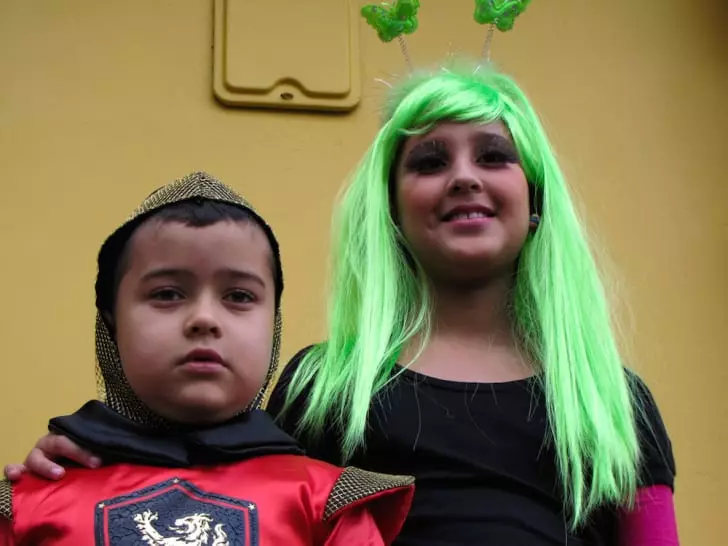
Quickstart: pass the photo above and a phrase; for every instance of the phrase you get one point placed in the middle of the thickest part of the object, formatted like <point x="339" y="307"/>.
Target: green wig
<point x="380" y="298"/>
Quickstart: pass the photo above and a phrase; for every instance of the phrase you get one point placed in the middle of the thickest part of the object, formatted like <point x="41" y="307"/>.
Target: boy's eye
<point x="167" y="294"/>
<point x="239" y="297"/>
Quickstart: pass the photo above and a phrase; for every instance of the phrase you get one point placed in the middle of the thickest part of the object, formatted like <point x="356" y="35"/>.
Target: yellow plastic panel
<point x="287" y="54"/>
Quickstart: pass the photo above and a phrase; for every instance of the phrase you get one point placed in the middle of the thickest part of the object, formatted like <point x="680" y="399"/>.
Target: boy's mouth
<point x="203" y="359"/>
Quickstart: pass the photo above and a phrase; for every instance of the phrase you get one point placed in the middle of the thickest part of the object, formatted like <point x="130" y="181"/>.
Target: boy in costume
<point x="187" y="336"/>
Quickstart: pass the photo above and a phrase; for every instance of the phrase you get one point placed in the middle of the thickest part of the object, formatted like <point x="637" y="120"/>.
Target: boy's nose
<point x="202" y="322"/>
<point x="202" y="328"/>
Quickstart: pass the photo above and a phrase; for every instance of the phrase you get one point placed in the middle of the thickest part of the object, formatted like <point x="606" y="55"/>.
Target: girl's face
<point x="462" y="201"/>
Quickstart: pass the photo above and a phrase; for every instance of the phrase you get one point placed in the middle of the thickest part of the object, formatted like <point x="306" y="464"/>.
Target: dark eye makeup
<point x="494" y="149"/>
<point x="432" y="156"/>
<point x="427" y="157"/>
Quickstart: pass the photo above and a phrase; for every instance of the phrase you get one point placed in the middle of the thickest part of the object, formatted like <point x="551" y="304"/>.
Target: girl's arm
<point x="651" y="522"/>
<point x="40" y="459"/>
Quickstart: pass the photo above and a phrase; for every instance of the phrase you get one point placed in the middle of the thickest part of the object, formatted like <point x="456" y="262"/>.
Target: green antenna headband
<point x="394" y="20"/>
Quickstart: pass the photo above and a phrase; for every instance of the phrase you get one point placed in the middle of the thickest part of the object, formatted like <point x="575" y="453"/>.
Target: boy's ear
<point x="109" y="319"/>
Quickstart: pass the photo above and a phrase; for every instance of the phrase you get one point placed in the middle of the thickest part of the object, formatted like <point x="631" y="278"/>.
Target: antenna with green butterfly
<point x="393" y="21"/>
<point x="497" y="14"/>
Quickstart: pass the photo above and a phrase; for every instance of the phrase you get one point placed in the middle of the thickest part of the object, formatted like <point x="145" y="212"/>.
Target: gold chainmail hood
<point x="113" y="387"/>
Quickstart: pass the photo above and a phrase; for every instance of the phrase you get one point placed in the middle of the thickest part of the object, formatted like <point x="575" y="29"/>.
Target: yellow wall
<point x="100" y="102"/>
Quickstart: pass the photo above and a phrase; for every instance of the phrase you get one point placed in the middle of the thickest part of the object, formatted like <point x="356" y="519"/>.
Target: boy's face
<point x="194" y="318"/>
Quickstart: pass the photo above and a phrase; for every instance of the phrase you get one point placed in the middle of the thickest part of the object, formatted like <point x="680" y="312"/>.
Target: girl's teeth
<point x="468" y="215"/>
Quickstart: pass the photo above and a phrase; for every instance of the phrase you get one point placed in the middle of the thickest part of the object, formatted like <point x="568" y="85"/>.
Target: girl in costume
<point x="469" y="338"/>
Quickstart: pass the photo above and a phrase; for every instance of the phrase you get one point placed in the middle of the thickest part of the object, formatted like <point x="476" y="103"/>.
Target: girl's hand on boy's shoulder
<point x="40" y="460"/>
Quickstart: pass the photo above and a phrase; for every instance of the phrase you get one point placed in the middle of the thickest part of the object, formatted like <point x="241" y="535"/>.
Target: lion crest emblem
<point x="175" y="513"/>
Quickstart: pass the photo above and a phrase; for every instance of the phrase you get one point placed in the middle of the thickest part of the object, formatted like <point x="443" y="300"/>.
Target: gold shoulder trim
<point x="6" y="500"/>
<point x="355" y="484"/>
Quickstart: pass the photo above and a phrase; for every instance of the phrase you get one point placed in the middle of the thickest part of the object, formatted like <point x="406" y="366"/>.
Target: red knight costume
<point x="241" y="483"/>
<point x="265" y="501"/>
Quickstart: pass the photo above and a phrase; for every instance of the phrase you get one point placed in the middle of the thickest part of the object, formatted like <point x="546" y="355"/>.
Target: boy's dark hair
<point x="114" y="255"/>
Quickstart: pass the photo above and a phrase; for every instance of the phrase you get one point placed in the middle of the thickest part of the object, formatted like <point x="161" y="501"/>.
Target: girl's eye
<point x="494" y="157"/>
<point x="428" y="158"/>
<point x="427" y="164"/>
<point x="497" y="152"/>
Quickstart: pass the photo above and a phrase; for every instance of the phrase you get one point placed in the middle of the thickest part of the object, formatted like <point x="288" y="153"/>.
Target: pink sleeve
<point x="652" y="520"/>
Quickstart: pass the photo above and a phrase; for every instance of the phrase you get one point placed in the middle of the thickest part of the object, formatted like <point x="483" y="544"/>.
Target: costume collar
<point x="115" y="438"/>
